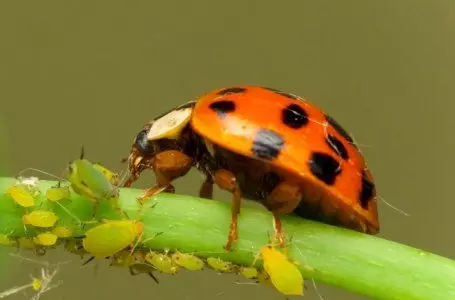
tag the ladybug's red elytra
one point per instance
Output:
(264, 145)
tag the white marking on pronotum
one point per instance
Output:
(170, 125)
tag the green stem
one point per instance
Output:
(357, 262)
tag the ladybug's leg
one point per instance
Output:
(283, 199)
(206, 190)
(226, 180)
(168, 166)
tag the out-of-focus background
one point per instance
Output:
(92, 72)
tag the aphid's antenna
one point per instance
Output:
(82, 152)
(316, 289)
(40, 171)
(79, 222)
(393, 207)
(88, 261)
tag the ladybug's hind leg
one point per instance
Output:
(168, 166)
(226, 180)
(283, 199)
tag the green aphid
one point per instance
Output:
(219, 265)
(90, 182)
(249, 272)
(188, 261)
(162, 262)
(112, 177)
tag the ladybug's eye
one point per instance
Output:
(142, 143)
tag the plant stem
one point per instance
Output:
(357, 262)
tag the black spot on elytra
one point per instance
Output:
(232, 90)
(324, 167)
(337, 146)
(223, 107)
(267, 144)
(339, 128)
(294, 116)
(290, 96)
(142, 143)
(367, 191)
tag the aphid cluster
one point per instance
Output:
(42, 225)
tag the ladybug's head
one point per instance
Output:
(162, 133)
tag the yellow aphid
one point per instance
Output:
(21, 196)
(75, 246)
(55, 194)
(284, 275)
(188, 261)
(40, 218)
(123, 258)
(162, 262)
(110, 175)
(5, 240)
(219, 265)
(45, 239)
(37, 283)
(249, 272)
(111, 237)
(26, 243)
(62, 232)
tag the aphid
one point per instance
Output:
(26, 243)
(88, 181)
(75, 246)
(40, 218)
(5, 240)
(284, 275)
(162, 262)
(135, 262)
(106, 239)
(21, 195)
(55, 194)
(62, 231)
(188, 261)
(220, 265)
(45, 239)
(111, 176)
(37, 283)
(249, 272)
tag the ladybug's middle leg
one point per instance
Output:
(168, 166)
(206, 190)
(226, 180)
(283, 199)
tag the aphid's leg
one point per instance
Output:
(168, 166)
(226, 180)
(283, 199)
(135, 271)
(206, 190)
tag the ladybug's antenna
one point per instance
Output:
(393, 207)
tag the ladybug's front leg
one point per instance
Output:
(168, 166)
(283, 199)
(226, 180)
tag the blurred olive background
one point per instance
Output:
(91, 73)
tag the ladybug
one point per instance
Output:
(265, 145)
